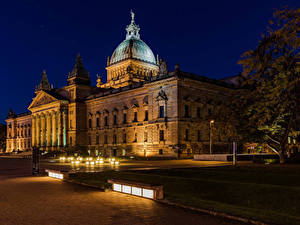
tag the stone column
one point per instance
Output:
(48, 126)
(43, 126)
(59, 137)
(33, 138)
(38, 130)
(64, 128)
(54, 127)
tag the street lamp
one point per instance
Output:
(210, 136)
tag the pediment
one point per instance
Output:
(162, 96)
(42, 98)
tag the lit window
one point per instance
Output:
(105, 139)
(125, 118)
(124, 138)
(161, 135)
(115, 139)
(186, 111)
(106, 121)
(115, 119)
(135, 117)
(98, 122)
(198, 112)
(186, 134)
(161, 111)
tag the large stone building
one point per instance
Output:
(143, 109)
(18, 132)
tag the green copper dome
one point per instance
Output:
(133, 47)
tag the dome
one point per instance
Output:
(133, 48)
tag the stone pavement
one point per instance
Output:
(42, 200)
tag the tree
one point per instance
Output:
(273, 71)
(2, 137)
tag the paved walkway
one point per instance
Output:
(42, 200)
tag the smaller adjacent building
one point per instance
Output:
(18, 132)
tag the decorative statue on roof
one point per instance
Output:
(99, 81)
(11, 114)
(163, 67)
(132, 15)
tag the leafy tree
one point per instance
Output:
(273, 71)
(2, 137)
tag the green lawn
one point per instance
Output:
(267, 193)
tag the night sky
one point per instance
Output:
(204, 37)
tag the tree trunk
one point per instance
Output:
(281, 156)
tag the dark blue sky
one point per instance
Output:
(204, 37)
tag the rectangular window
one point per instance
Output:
(90, 140)
(135, 137)
(115, 119)
(135, 117)
(115, 139)
(160, 151)
(186, 111)
(209, 112)
(97, 139)
(125, 118)
(161, 135)
(198, 136)
(198, 112)
(186, 134)
(106, 121)
(90, 123)
(146, 115)
(70, 140)
(98, 122)
(124, 138)
(161, 111)
(145, 137)
(105, 139)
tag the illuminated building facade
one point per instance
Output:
(143, 109)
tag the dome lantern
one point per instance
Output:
(132, 29)
(132, 61)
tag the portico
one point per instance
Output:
(49, 121)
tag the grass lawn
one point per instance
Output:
(267, 193)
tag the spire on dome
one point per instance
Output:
(132, 29)
(44, 84)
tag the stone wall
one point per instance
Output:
(139, 135)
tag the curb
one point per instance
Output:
(86, 185)
(213, 213)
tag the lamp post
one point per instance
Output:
(210, 136)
